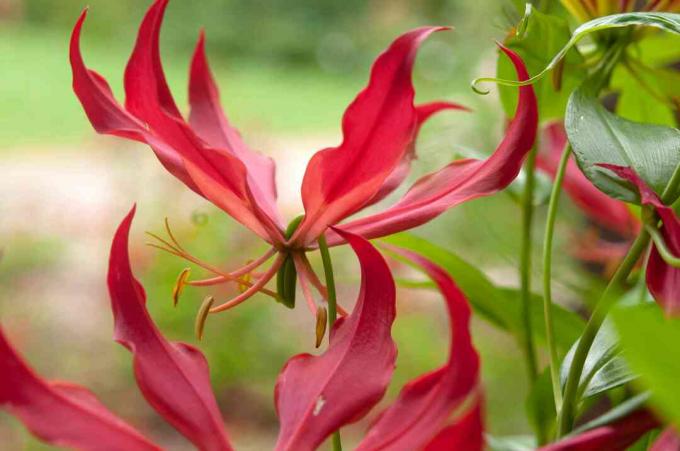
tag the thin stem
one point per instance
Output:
(660, 245)
(332, 307)
(330, 280)
(547, 274)
(304, 283)
(566, 417)
(525, 265)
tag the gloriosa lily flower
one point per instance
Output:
(613, 216)
(585, 10)
(379, 130)
(315, 395)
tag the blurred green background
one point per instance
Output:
(287, 70)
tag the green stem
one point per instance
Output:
(565, 419)
(330, 280)
(525, 266)
(547, 274)
(332, 307)
(660, 245)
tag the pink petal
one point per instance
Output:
(462, 180)
(421, 415)
(173, 377)
(59, 413)
(616, 436)
(609, 213)
(316, 395)
(663, 280)
(208, 121)
(667, 441)
(378, 129)
(396, 178)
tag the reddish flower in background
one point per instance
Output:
(663, 280)
(612, 215)
(315, 395)
(379, 130)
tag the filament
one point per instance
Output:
(304, 283)
(254, 288)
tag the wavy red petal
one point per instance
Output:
(421, 415)
(663, 280)
(461, 180)
(173, 377)
(397, 177)
(378, 129)
(316, 395)
(209, 122)
(59, 413)
(152, 116)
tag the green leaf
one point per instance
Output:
(598, 136)
(500, 306)
(604, 368)
(651, 345)
(541, 37)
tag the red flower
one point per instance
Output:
(315, 395)
(379, 130)
(663, 280)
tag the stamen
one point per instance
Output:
(172, 237)
(254, 288)
(202, 316)
(179, 285)
(321, 322)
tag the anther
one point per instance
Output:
(202, 316)
(179, 285)
(321, 322)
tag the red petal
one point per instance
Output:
(466, 434)
(155, 119)
(663, 280)
(316, 395)
(173, 377)
(422, 412)
(108, 117)
(208, 121)
(61, 414)
(461, 180)
(610, 213)
(616, 436)
(667, 441)
(378, 128)
(395, 179)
